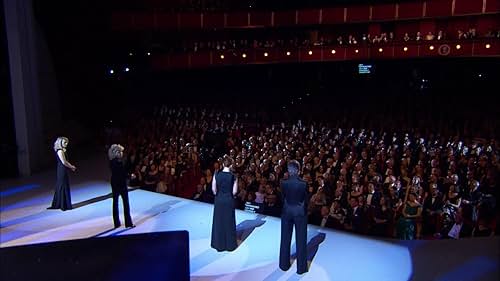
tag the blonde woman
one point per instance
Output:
(62, 195)
(119, 185)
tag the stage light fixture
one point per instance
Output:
(458, 46)
(310, 52)
(431, 47)
(488, 46)
(244, 55)
(265, 54)
(333, 52)
(287, 53)
(221, 57)
(356, 51)
(380, 50)
(405, 49)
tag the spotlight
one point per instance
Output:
(431, 47)
(380, 50)
(148, 53)
(356, 51)
(244, 55)
(310, 52)
(488, 46)
(265, 54)
(111, 71)
(333, 52)
(405, 49)
(221, 57)
(458, 46)
(130, 54)
(287, 53)
(127, 69)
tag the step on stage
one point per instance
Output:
(332, 255)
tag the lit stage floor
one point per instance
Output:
(333, 255)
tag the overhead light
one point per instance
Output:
(488, 46)
(405, 49)
(111, 71)
(287, 53)
(333, 52)
(356, 51)
(127, 69)
(310, 52)
(265, 54)
(431, 47)
(130, 54)
(244, 55)
(221, 57)
(148, 53)
(380, 50)
(458, 46)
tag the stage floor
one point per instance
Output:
(332, 255)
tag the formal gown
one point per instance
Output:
(119, 188)
(62, 195)
(224, 221)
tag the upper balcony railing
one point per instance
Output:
(488, 47)
(161, 20)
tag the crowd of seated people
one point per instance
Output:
(404, 184)
(325, 39)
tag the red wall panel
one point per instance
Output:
(486, 23)
(411, 51)
(143, 21)
(166, 21)
(333, 15)
(358, 13)
(213, 20)
(285, 18)
(308, 17)
(438, 8)
(410, 27)
(374, 29)
(481, 49)
(410, 10)
(190, 20)
(382, 52)
(361, 53)
(427, 26)
(384, 12)
(201, 59)
(492, 6)
(468, 7)
(236, 19)
(333, 53)
(260, 19)
(314, 56)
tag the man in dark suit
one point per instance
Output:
(294, 212)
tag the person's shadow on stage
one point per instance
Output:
(312, 246)
(246, 227)
(243, 231)
(152, 212)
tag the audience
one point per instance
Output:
(405, 183)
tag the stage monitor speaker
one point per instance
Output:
(155, 256)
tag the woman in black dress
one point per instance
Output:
(62, 195)
(119, 184)
(224, 186)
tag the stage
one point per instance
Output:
(332, 255)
